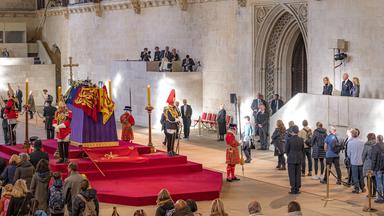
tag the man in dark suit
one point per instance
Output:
(346, 86)
(186, 114)
(276, 103)
(37, 154)
(255, 104)
(166, 54)
(19, 96)
(145, 55)
(188, 64)
(262, 125)
(295, 152)
(157, 54)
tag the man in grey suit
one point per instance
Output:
(295, 152)
(186, 114)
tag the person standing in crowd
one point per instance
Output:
(346, 86)
(20, 203)
(276, 103)
(186, 115)
(318, 152)
(306, 135)
(232, 153)
(256, 104)
(5, 53)
(72, 185)
(37, 154)
(86, 202)
(62, 123)
(177, 106)
(188, 64)
(332, 154)
(347, 160)
(127, 122)
(39, 184)
(24, 170)
(222, 122)
(247, 139)
(31, 104)
(4, 123)
(8, 174)
(5, 199)
(355, 91)
(164, 203)
(56, 201)
(193, 206)
(294, 209)
(378, 168)
(182, 209)
(367, 160)
(19, 96)
(47, 98)
(172, 123)
(49, 114)
(262, 123)
(217, 208)
(278, 140)
(145, 55)
(295, 152)
(11, 115)
(157, 54)
(355, 151)
(328, 87)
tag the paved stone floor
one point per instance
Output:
(260, 181)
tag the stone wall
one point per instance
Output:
(17, 5)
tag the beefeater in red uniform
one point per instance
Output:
(232, 153)
(127, 122)
(62, 125)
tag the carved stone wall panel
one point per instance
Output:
(270, 63)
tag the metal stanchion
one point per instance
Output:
(369, 182)
(327, 197)
(199, 125)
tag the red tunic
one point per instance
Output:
(232, 155)
(127, 121)
(66, 120)
(10, 110)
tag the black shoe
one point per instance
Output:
(247, 161)
(283, 168)
(355, 191)
(260, 149)
(338, 182)
(235, 179)
(298, 192)
(164, 143)
(60, 161)
(229, 180)
(278, 167)
(170, 154)
(292, 192)
(323, 181)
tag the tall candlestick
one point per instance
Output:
(110, 88)
(59, 94)
(149, 95)
(26, 91)
(27, 145)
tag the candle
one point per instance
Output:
(110, 88)
(26, 91)
(149, 95)
(59, 93)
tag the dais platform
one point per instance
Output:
(136, 183)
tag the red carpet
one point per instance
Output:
(134, 176)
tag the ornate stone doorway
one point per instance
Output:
(299, 68)
(280, 47)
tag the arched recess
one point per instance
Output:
(276, 34)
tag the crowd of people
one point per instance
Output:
(167, 57)
(167, 207)
(305, 147)
(30, 188)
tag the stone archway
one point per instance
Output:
(277, 29)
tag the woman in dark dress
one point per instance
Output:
(328, 87)
(318, 152)
(221, 122)
(278, 140)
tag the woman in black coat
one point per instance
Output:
(328, 87)
(318, 152)
(278, 140)
(20, 203)
(221, 122)
(165, 204)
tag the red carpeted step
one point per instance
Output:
(10, 150)
(5, 156)
(144, 171)
(205, 185)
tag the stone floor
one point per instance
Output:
(260, 180)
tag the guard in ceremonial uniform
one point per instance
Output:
(62, 125)
(10, 113)
(127, 121)
(49, 115)
(172, 123)
(232, 153)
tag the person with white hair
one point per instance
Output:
(332, 154)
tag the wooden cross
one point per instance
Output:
(70, 65)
